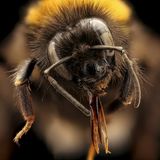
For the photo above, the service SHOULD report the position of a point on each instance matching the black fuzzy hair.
(38, 37)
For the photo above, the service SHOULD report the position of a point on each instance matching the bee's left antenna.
(61, 90)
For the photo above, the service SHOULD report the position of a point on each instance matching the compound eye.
(53, 57)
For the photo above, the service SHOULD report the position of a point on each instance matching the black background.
(33, 147)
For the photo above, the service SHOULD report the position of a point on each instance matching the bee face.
(88, 67)
(88, 71)
(73, 31)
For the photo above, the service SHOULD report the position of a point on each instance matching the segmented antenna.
(136, 83)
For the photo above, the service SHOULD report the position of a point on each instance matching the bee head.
(87, 66)
(80, 43)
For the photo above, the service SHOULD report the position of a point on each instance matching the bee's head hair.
(42, 11)
(67, 16)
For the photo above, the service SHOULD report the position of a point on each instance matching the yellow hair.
(39, 14)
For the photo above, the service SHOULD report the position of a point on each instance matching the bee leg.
(22, 85)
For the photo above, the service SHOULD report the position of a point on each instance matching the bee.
(80, 43)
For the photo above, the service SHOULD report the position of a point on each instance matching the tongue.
(98, 124)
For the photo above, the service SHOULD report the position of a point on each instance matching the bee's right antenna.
(135, 78)
(130, 67)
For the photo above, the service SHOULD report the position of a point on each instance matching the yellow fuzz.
(41, 12)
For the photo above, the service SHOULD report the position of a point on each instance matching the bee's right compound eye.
(53, 57)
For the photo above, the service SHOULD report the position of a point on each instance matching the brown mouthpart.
(98, 124)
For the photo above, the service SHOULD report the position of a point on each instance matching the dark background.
(10, 14)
